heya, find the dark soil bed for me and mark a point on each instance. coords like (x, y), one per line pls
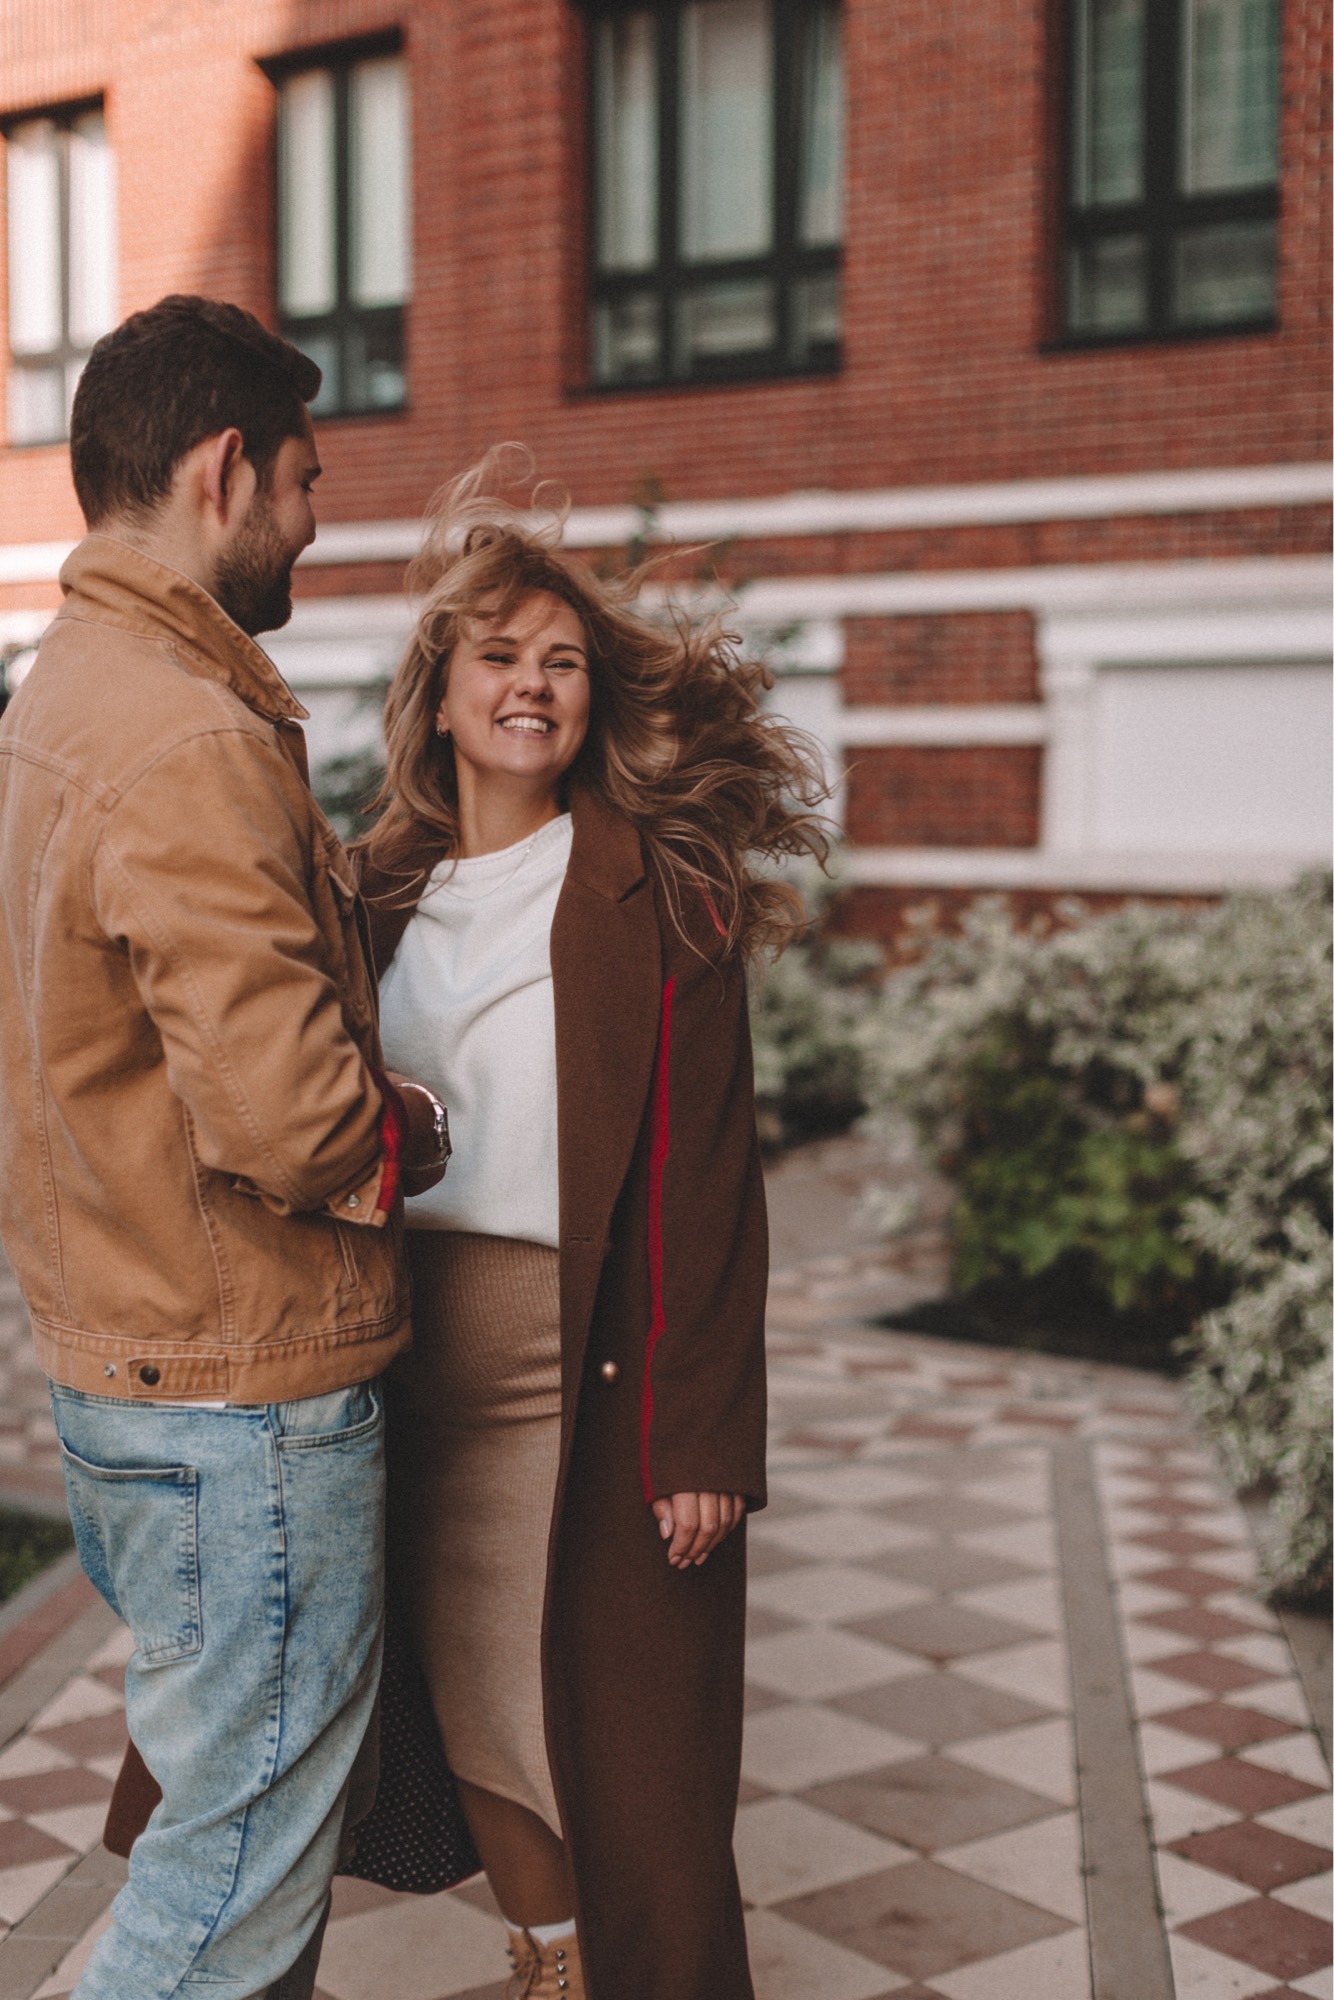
(1046, 1321)
(27, 1544)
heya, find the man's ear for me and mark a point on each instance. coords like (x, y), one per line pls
(226, 475)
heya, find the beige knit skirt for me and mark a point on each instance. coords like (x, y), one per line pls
(477, 1443)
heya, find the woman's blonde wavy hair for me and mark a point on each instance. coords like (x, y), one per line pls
(677, 740)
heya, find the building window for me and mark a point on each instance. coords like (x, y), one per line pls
(717, 189)
(344, 226)
(1173, 197)
(60, 186)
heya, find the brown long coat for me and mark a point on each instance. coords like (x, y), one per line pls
(663, 1263)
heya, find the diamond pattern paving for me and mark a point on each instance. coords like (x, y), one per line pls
(1255, 1854)
(941, 1630)
(922, 1919)
(1286, 1943)
(939, 1708)
(910, 1824)
(931, 1802)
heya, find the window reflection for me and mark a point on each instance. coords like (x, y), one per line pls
(344, 226)
(60, 183)
(718, 189)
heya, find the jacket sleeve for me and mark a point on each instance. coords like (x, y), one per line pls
(703, 1416)
(203, 876)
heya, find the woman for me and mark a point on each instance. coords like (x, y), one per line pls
(562, 903)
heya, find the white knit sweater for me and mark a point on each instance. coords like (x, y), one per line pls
(466, 1006)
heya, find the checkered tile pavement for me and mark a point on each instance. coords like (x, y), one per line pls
(1237, 1788)
(910, 1823)
(55, 1780)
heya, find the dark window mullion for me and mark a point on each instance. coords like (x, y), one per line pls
(342, 314)
(1162, 44)
(369, 336)
(675, 279)
(789, 53)
(63, 203)
(669, 181)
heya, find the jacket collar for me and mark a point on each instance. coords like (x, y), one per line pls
(605, 853)
(605, 856)
(116, 584)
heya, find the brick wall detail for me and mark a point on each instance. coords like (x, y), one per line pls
(947, 375)
(969, 796)
(952, 657)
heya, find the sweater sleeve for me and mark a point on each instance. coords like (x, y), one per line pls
(703, 1415)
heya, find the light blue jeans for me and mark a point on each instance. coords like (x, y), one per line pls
(243, 1548)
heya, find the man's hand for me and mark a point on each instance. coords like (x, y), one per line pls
(694, 1523)
(421, 1166)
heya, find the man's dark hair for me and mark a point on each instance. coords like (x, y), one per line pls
(166, 379)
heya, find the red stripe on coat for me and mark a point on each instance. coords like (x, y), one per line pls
(660, 1142)
(393, 1137)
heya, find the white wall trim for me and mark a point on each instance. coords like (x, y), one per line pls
(869, 726)
(23, 628)
(1222, 490)
(886, 509)
(1086, 588)
(983, 868)
(32, 562)
(993, 504)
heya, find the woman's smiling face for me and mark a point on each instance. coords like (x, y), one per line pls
(516, 697)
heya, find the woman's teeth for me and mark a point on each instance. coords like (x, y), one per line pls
(527, 725)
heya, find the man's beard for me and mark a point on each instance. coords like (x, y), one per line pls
(254, 579)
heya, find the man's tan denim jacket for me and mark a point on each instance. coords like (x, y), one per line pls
(189, 1124)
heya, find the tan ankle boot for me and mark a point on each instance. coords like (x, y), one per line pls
(544, 1971)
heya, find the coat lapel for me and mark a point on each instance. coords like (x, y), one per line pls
(606, 962)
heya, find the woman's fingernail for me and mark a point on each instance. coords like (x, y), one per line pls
(665, 1529)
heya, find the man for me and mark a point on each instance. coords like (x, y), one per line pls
(198, 1157)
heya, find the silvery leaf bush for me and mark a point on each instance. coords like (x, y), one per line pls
(806, 1013)
(1145, 1097)
(1256, 1081)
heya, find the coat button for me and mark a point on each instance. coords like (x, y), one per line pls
(150, 1375)
(611, 1372)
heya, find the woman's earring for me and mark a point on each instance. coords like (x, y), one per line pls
(441, 729)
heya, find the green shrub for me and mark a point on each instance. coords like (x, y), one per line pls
(1137, 1107)
(806, 1014)
(1050, 1185)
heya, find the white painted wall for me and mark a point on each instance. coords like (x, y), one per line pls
(1202, 759)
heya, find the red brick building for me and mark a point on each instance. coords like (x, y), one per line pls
(985, 340)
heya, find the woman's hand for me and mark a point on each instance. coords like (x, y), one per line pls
(420, 1166)
(692, 1524)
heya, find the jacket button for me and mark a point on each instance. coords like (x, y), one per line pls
(150, 1375)
(611, 1372)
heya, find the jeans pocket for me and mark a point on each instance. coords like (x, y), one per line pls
(345, 1416)
(137, 1531)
